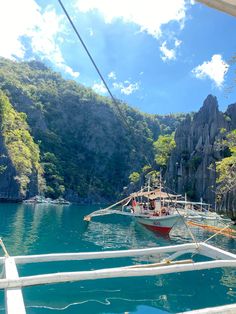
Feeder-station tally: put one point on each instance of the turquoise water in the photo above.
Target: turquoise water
(26, 229)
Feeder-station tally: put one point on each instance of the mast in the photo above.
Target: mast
(149, 182)
(160, 186)
(185, 199)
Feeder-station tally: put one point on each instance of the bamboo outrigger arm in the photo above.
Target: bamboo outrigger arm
(105, 211)
(227, 6)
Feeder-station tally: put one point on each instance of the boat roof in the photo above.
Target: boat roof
(157, 193)
(152, 195)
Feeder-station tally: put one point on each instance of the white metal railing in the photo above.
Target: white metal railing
(12, 283)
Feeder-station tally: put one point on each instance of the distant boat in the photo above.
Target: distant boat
(36, 200)
(60, 201)
(42, 200)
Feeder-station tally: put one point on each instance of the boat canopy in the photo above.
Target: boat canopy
(152, 195)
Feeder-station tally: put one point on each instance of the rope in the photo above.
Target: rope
(4, 248)
(218, 232)
(188, 229)
(229, 232)
(122, 116)
(92, 60)
(186, 225)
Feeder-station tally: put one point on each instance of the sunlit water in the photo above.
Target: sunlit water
(26, 229)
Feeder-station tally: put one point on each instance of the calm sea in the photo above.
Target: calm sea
(26, 229)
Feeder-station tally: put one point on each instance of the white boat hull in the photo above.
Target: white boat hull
(162, 224)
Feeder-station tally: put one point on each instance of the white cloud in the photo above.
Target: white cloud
(112, 75)
(42, 29)
(99, 88)
(91, 32)
(177, 43)
(169, 54)
(68, 70)
(126, 88)
(17, 18)
(44, 40)
(149, 15)
(215, 69)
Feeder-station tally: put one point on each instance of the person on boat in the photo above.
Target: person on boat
(163, 211)
(152, 204)
(136, 208)
(145, 206)
(134, 203)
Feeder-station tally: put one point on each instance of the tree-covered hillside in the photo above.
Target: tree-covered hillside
(20, 170)
(86, 149)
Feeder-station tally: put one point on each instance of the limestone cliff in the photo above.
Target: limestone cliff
(189, 168)
(87, 151)
(19, 155)
(9, 187)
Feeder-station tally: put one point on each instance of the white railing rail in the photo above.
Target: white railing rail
(120, 272)
(104, 254)
(12, 283)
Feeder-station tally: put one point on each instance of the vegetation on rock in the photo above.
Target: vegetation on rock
(20, 146)
(163, 148)
(226, 168)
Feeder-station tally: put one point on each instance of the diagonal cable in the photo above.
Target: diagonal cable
(122, 116)
(94, 63)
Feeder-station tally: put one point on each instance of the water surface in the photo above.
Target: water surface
(40, 229)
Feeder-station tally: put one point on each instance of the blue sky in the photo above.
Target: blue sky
(160, 56)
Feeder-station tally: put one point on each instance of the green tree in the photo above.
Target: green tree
(134, 177)
(226, 168)
(55, 184)
(163, 148)
(21, 149)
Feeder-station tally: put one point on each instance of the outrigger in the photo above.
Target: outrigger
(166, 264)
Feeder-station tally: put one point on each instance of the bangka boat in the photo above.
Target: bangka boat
(159, 211)
(148, 208)
(42, 200)
(38, 199)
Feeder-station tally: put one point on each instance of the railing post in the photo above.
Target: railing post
(14, 301)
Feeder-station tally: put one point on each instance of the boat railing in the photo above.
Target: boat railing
(13, 284)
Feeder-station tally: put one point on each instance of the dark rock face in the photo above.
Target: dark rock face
(189, 165)
(9, 187)
(231, 113)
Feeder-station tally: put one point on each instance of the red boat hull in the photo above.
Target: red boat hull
(160, 224)
(158, 229)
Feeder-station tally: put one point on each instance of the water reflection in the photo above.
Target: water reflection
(24, 227)
(228, 279)
(117, 236)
